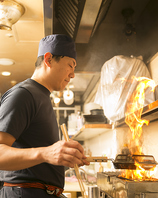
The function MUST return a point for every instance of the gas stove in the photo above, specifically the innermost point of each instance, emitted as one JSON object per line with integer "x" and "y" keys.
{"x": 112, "y": 186}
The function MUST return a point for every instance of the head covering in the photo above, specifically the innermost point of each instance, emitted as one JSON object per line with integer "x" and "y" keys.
{"x": 57, "y": 44}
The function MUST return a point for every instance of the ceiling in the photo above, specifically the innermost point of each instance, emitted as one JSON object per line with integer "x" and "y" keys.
{"x": 21, "y": 44}
{"x": 105, "y": 36}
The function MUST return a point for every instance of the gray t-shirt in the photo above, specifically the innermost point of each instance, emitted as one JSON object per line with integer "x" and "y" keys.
{"x": 26, "y": 113}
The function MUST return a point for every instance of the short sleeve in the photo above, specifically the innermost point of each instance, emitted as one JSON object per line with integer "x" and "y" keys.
{"x": 16, "y": 111}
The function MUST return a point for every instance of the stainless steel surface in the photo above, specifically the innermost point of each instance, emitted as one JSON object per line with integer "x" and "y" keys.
{"x": 93, "y": 192}
{"x": 87, "y": 22}
{"x": 150, "y": 112}
{"x": 48, "y": 16}
{"x": 115, "y": 187}
{"x": 80, "y": 18}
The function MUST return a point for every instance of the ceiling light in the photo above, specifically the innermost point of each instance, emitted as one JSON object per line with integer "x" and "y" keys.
{"x": 6, "y": 61}
{"x": 6, "y": 73}
{"x": 10, "y": 12}
{"x": 9, "y": 35}
{"x": 13, "y": 82}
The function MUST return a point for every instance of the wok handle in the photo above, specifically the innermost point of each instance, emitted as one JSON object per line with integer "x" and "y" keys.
{"x": 97, "y": 159}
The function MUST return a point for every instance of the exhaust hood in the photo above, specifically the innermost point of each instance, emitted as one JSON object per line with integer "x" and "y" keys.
{"x": 79, "y": 19}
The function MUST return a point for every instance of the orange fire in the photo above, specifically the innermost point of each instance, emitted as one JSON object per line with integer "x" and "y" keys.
{"x": 139, "y": 174}
{"x": 135, "y": 123}
{"x": 122, "y": 79}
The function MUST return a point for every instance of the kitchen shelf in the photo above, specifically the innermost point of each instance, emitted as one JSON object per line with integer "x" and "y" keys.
{"x": 89, "y": 131}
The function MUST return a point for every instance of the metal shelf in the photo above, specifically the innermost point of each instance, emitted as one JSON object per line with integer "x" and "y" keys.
{"x": 89, "y": 131}
{"x": 150, "y": 112}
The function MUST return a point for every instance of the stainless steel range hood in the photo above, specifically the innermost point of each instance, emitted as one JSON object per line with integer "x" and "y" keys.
{"x": 150, "y": 112}
{"x": 79, "y": 18}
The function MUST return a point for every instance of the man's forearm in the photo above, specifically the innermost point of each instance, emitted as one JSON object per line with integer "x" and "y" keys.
{"x": 17, "y": 159}
{"x": 61, "y": 153}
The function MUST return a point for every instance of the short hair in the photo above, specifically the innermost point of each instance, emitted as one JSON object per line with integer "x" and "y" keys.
{"x": 41, "y": 58}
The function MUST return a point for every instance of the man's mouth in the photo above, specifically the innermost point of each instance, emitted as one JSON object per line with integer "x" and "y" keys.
{"x": 67, "y": 81}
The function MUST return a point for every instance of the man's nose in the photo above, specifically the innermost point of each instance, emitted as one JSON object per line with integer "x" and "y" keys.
{"x": 72, "y": 75}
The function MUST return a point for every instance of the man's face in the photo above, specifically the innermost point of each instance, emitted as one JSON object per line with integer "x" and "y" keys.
{"x": 62, "y": 72}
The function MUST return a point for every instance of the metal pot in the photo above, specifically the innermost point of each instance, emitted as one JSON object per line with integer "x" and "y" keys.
{"x": 97, "y": 112}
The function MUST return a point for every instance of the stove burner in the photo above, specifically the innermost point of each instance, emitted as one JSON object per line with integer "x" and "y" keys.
{"x": 112, "y": 186}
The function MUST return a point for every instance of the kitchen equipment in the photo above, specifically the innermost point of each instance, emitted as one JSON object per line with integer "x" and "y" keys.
{"x": 97, "y": 115}
{"x": 97, "y": 159}
{"x": 89, "y": 106}
{"x": 95, "y": 118}
{"x": 123, "y": 161}
{"x": 127, "y": 161}
{"x": 93, "y": 192}
{"x": 97, "y": 112}
{"x": 68, "y": 97}
{"x": 111, "y": 186}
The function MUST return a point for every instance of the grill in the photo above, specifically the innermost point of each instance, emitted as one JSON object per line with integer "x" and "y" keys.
{"x": 127, "y": 161}
{"x": 111, "y": 186}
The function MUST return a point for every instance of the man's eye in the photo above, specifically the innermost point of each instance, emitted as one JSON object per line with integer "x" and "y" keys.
{"x": 71, "y": 66}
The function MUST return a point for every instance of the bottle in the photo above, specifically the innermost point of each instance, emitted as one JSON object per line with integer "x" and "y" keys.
{"x": 79, "y": 121}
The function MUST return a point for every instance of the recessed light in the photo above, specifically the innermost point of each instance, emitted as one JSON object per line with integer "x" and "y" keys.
{"x": 9, "y": 35}
{"x": 6, "y": 61}
{"x": 6, "y": 73}
{"x": 13, "y": 82}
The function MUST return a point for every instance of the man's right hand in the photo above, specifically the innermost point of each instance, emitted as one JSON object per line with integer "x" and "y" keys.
{"x": 65, "y": 153}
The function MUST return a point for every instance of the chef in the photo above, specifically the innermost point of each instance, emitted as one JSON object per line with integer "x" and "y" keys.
{"x": 32, "y": 157}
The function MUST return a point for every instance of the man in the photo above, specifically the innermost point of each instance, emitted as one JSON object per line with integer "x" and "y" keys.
{"x": 32, "y": 157}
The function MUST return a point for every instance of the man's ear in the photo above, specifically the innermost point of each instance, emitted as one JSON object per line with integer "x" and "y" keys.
{"x": 48, "y": 59}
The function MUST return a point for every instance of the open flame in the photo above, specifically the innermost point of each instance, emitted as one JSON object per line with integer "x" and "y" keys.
{"x": 140, "y": 174}
{"x": 135, "y": 123}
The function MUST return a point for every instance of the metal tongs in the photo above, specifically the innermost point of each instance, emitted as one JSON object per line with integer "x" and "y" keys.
{"x": 128, "y": 161}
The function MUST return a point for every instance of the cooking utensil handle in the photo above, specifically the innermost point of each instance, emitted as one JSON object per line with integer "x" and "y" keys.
{"x": 66, "y": 137}
{"x": 97, "y": 159}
